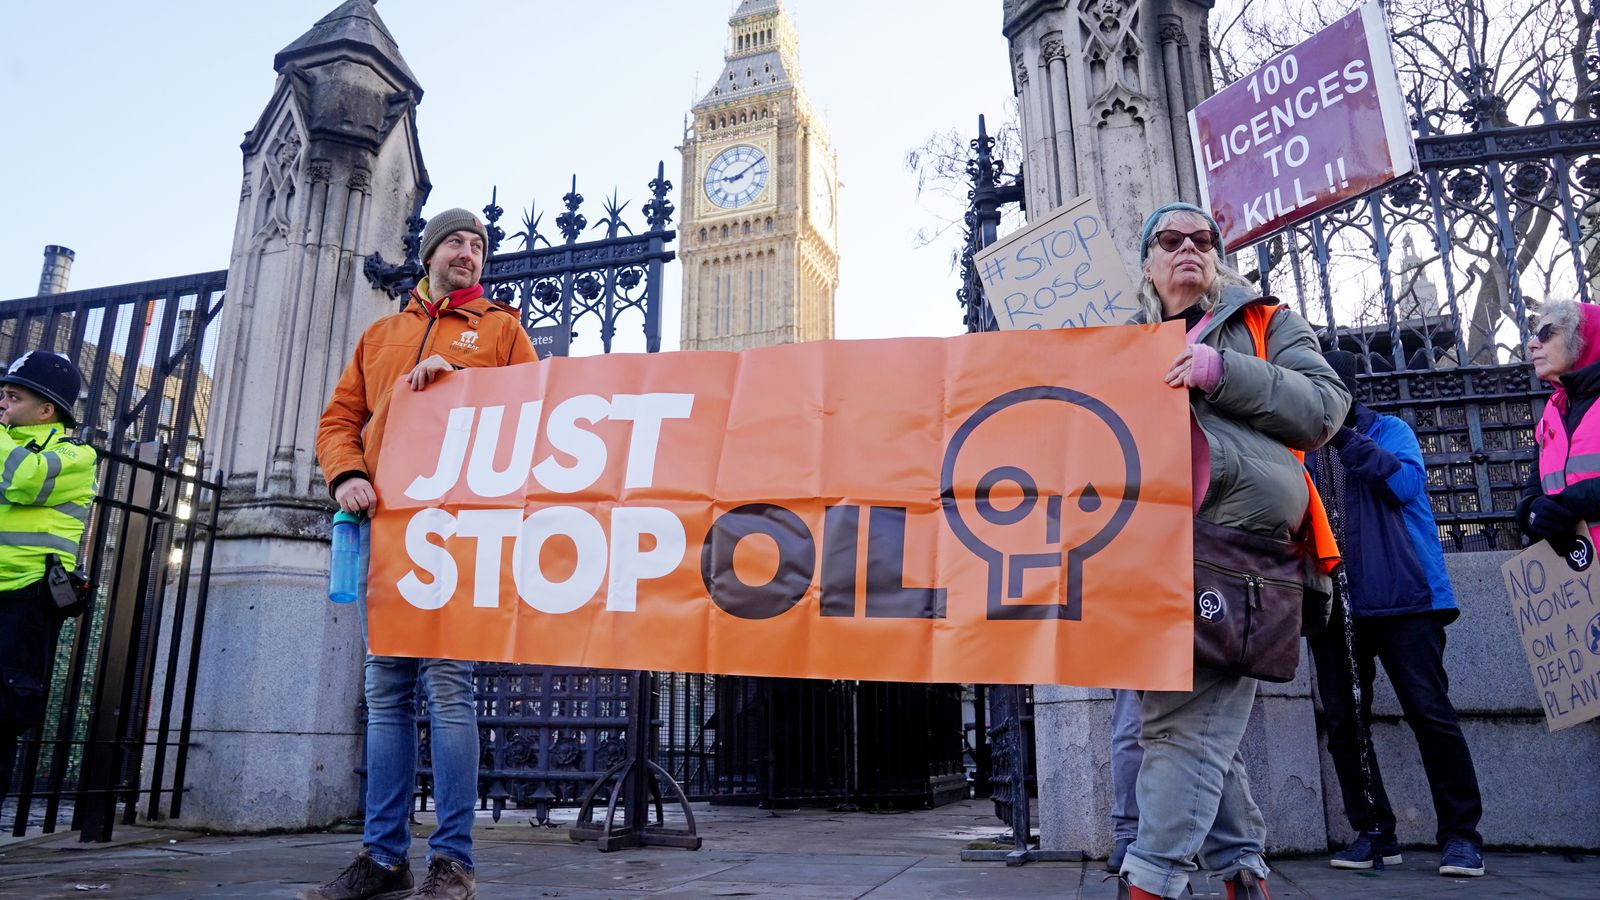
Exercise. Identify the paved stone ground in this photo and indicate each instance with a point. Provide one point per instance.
(747, 853)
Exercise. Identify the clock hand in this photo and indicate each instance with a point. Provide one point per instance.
(740, 173)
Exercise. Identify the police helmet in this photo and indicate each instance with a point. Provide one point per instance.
(52, 376)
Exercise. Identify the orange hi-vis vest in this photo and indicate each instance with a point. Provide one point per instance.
(1257, 316)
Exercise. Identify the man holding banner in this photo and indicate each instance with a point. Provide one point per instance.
(447, 324)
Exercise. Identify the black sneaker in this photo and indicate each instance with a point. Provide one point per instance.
(364, 879)
(447, 880)
(1359, 854)
(1114, 861)
(1461, 858)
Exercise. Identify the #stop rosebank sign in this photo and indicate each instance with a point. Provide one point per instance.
(1001, 508)
(1315, 126)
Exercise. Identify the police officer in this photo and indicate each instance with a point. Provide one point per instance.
(46, 486)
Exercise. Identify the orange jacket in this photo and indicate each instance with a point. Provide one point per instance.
(478, 333)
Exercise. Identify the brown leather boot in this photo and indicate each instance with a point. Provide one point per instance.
(447, 880)
(364, 879)
(1246, 886)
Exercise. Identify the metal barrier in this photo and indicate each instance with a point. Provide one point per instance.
(792, 742)
(117, 726)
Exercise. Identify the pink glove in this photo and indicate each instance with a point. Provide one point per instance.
(1205, 368)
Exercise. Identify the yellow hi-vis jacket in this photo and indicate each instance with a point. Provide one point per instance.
(47, 483)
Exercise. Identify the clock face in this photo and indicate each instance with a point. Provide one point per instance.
(736, 177)
(821, 197)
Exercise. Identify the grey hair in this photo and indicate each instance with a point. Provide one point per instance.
(1227, 276)
(1568, 319)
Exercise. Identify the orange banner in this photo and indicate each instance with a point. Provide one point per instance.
(1003, 508)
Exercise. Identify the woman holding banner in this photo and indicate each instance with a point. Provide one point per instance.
(1251, 405)
(1564, 491)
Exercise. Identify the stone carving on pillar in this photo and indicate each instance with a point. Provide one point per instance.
(1172, 30)
(1051, 49)
(1116, 60)
(279, 172)
(1022, 72)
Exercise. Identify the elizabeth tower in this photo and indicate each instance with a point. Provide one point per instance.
(760, 237)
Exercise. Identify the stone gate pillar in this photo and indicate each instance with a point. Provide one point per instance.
(1104, 88)
(332, 170)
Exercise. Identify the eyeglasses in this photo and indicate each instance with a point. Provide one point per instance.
(1170, 240)
(1546, 332)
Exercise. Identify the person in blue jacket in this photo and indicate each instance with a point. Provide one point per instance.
(1373, 482)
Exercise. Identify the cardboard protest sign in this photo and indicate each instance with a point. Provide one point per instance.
(1062, 272)
(994, 508)
(1555, 601)
(1317, 125)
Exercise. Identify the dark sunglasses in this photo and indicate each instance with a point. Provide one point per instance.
(1546, 332)
(1170, 240)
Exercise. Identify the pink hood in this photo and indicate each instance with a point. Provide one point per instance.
(1590, 326)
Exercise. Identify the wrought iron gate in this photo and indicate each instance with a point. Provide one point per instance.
(798, 742)
(147, 355)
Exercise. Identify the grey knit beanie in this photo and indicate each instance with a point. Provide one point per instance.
(447, 223)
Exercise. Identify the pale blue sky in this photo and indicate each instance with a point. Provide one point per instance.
(125, 121)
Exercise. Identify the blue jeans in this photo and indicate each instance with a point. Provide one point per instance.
(1195, 809)
(391, 693)
(391, 690)
(1126, 757)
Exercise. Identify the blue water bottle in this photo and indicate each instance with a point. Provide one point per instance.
(345, 567)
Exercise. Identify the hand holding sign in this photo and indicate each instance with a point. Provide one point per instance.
(1555, 602)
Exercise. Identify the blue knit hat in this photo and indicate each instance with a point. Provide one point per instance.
(1150, 226)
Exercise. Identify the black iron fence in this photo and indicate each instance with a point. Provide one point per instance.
(1435, 283)
(147, 354)
(604, 283)
(688, 735)
(793, 742)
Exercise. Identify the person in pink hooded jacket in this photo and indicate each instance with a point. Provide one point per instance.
(1565, 490)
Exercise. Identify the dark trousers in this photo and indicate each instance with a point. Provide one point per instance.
(1411, 648)
(8, 761)
(29, 627)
